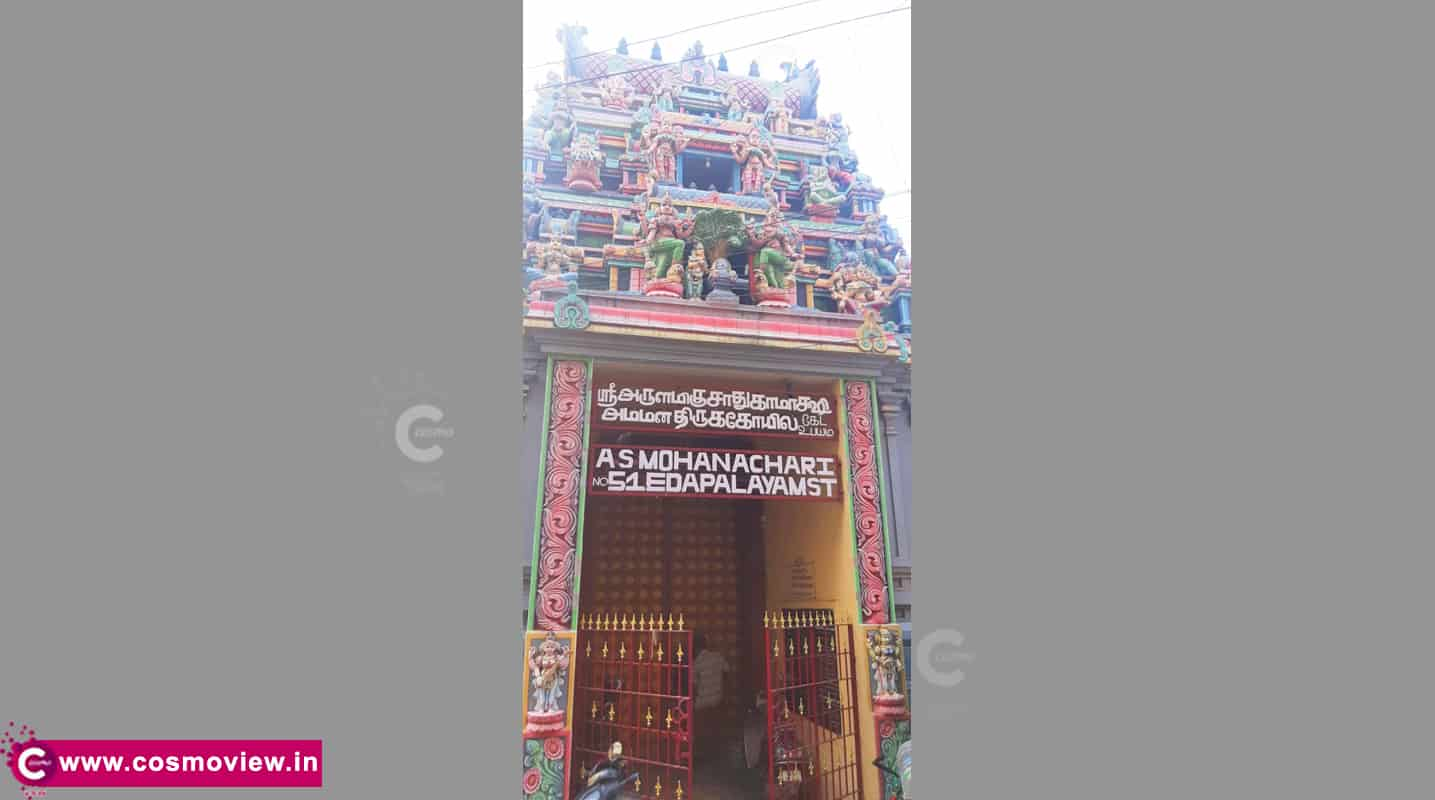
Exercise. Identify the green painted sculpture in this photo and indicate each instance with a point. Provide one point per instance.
(696, 271)
(560, 129)
(876, 250)
(665, 238)
(822, 193)
(779, 252)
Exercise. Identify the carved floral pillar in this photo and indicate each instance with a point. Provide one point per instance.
(871, 528)
(551, 639)
(867, 501)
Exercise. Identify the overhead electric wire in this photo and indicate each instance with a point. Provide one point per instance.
(664, 64)
(683, 31)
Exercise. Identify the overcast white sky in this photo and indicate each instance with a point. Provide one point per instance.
(866, 66)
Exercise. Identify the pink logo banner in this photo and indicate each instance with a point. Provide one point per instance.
(164, 763)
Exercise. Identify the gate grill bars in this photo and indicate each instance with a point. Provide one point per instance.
(814, 747)
(633, 685)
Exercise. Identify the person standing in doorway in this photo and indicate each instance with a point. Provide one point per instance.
(709, 670)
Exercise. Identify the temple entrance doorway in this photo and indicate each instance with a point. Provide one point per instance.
(683, 580)
(714, 577)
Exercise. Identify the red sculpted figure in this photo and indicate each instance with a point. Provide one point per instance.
(662, 141)
(755, 157)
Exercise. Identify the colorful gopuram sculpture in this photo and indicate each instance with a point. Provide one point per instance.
(665, 238)
(615, 93)
(662, 141)
(755, 157)
(885, 656)
(856, 288)
(822, 199)
(623, 154)
(560, 128)
(878, 249)
(584, 160)
(778, 253)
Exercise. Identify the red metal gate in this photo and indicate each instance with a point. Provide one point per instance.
(633, 685)
(814, 747)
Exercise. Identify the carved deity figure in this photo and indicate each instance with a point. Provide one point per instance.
(836, 170)
(770, 194)
(839, 256)
(667, 96)
(614, 92)
(856, 288)
(664, 236)
(697, 270)
(553, 259)
(904, 270)
(736, 108)
(662, 141)
(755, 157)
(890, 236)
(634, 135)
(780, 119)
(561, 127)
(835, 131)
(779, 251)
(885, 656)
(822, 193)
(548, 666)
(532, 208)
(877, 251)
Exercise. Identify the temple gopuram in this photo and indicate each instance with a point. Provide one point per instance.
(717, 426)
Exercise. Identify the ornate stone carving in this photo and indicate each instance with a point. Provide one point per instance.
(665, 239)
(562, 491)
(822, 199)
(757, 160)
(662, 142)
(878, 249)
(561, 128)
(554, 263)
(871, 336)
(615, 93)
(570, 311)
(548, 661)
(866, 488)
(856, 289)
(884, 657)
(584, 161)
(779, 253)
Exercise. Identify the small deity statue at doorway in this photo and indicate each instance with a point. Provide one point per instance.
(886, 657)
(549, 665)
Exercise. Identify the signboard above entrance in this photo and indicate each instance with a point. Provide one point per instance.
(701, 410)
(692, 472)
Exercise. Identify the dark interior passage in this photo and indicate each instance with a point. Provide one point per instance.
(701, 560)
